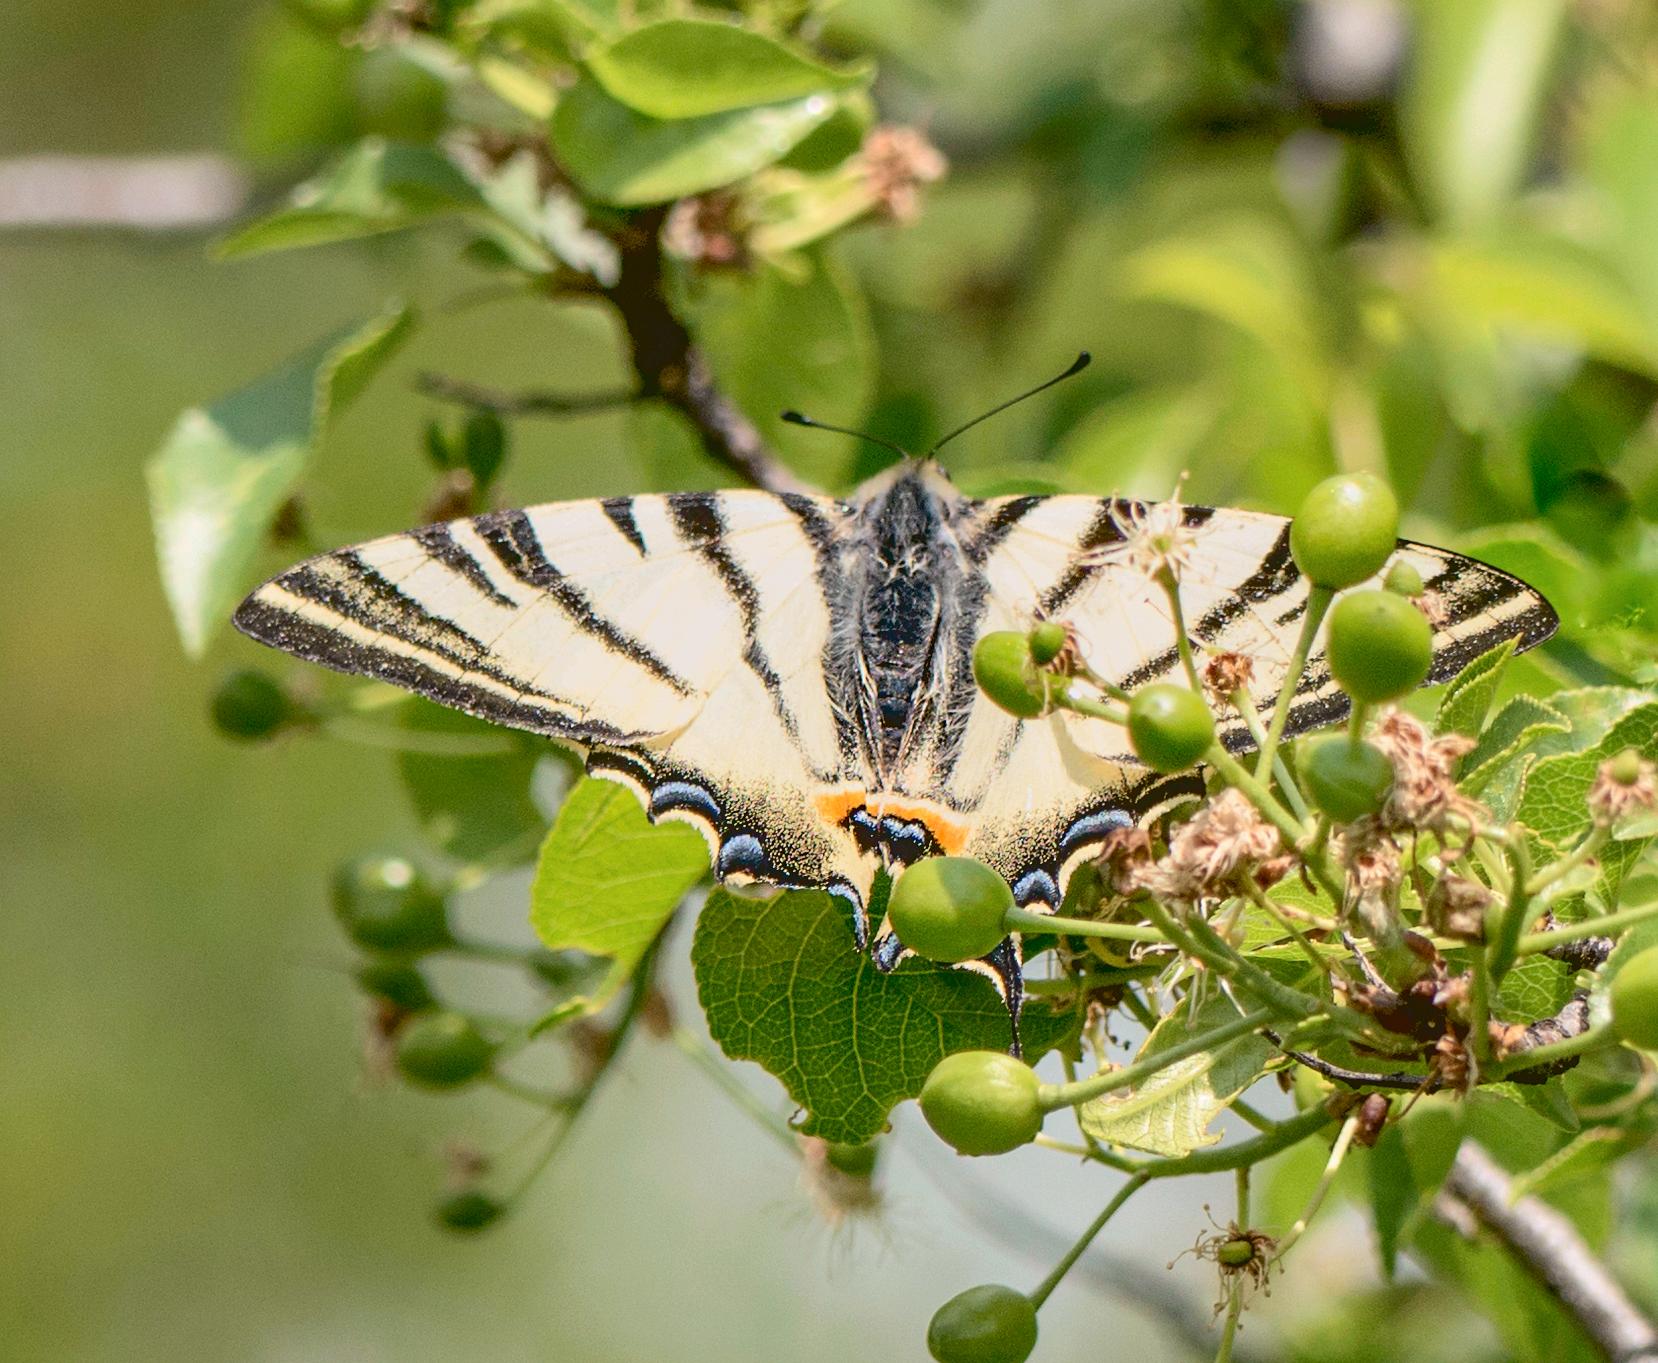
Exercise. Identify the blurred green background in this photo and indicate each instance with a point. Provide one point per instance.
(1296, 236)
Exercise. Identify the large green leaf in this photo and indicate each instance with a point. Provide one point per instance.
(225, 470)
(621, 156)
(782, 984)
(1171, 1112)
(1470, 110)
(1407, 1166)
(1463, 707)
(688, 68)
(375, 187)
(796, 339)
(608, 879)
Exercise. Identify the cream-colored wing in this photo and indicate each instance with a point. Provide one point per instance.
(678, 641)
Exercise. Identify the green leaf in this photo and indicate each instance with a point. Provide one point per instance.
(1171, 1112)
(1588, 1152)
(1463, 707)
(1407, 1166)
(1537, 987)
(224, 470)
(783, 985)
(475, 808)
(621, 156)
(1512, 729)
(607, 879)
(800, 339)
(375, 187)
(1470, 110)
(689, 68)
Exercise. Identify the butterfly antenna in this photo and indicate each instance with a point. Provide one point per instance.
(800, 419)
(1081, 362)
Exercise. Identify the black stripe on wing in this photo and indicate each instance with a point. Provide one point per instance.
(512, 539)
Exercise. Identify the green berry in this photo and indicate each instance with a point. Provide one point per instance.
(1635, 1000)
(855, 1161)
(988, 1324)
(1046, 640)
(982, 1102)
(1403, 580)
(1234, 1253)
(385, 905)
(1006, 672)
(1346, 529)
(950, 909)
(1347, 780)
(251, 705)
(398, 983)
(1625, 767)
(469, 1211)
(443, 1050)
(1170, 727)
(1380, 645)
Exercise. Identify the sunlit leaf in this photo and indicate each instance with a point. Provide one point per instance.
(688, 68)
(782, 984)
(621, 156)
(225, 470)
(1171, 1112)
(1463, 707)
(607, 879)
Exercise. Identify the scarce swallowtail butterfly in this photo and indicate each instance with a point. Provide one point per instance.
(792, 675)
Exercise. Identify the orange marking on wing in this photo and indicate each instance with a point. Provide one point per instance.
(949, 830)
(834, 805)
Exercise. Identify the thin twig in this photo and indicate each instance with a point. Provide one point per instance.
(482, 398)
(1548, 1246)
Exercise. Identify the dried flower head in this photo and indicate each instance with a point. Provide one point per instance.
(1240, 1252)
(1457, 906)
(897, 161)
(1225, 674)
(1373, 1113)
(1623, 784)
(1156, 537)
(837, 1193)
(1425, 793)
(1124, 855)
(1452, 1063)
(1226, 836)
(708, 230)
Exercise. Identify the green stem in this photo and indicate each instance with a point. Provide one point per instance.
(1479, 1010)
(1243, 1195)
(1024, 920)
(1094, 709)
(714, 1068)
(1054, 1096)
(1244, 704)
(1318, 601)
(1171, 590)
(1226, 962)
(1515, 916)
(1259, 1120)
(1094, 979)
(1332, 1167)
(1252, 1151)
(1235, 774)
(1045, 1288)
(1587, 848)
(1605, 926)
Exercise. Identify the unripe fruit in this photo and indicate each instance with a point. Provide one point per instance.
(1380, 645)
(1169, 727)
(1635, 1000)
(1047, 640)
(1403, 580)
(443, 1050)
(1347, 780)
(1345, 530)
(950, 908)
(855, 1161)
(1234, 1253)
(398, 984)
(469, 1211)
(1005, 671)
(988, 1324)
(251, 705)
(982, 1102)
(385, 905)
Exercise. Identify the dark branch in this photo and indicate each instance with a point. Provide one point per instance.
(670, 367)
(1547, 1244)
(485, 399)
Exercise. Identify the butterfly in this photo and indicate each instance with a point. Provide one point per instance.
(792, 674)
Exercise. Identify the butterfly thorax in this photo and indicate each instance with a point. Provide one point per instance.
(906, 573)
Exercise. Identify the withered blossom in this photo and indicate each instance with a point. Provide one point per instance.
(1226, 836)
(1425, 794)
(1623, 785)
(708, 229)
(1125, 853)
(1457, 906)
(897, 161)
(1156, 538)
(1225, 674)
